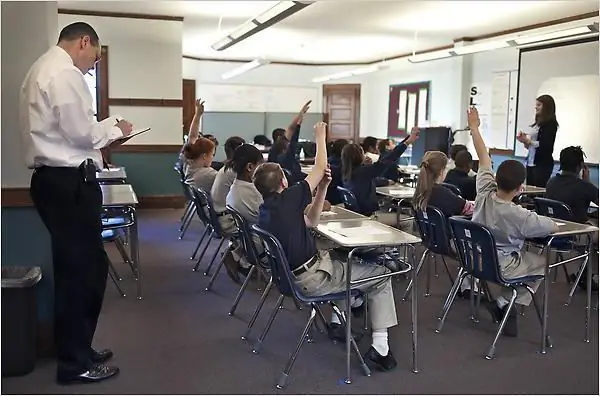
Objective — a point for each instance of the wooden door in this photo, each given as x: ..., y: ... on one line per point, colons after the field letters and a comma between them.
x: 189, y: 103
x: 341, y: 104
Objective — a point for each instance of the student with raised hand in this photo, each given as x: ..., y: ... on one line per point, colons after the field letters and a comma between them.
x: 335, y: 165
x: 369, y: 145
x: 510, y: 224
x: 194, y: 132
x: 316, y: 272
x: 198, y: 158
x: 283, y: 137
x: 573, y: 188
x: 360, y: 178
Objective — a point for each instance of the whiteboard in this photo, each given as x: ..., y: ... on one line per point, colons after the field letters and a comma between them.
x: 257, y: 98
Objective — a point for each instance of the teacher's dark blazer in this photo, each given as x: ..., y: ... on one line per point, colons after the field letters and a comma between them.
x: 546, y: 137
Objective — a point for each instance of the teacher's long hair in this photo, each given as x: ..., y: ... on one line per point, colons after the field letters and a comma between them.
x: 432, y: 166
x: 548, y: 113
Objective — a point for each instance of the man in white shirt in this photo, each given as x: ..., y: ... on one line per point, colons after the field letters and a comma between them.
x: 62, y: 140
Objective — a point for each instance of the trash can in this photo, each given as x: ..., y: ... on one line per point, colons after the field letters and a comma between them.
x: 19, y: 319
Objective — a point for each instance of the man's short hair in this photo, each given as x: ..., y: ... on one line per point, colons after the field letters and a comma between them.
x: 463, y: 160
x: 571, y: 159
x: 277, y: 133
x: 510, y: 175
x: 77, y: 30
x: 267, y: 178
x: 455, y: 149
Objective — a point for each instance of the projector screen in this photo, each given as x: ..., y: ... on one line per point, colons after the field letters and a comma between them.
x: 568, y: 73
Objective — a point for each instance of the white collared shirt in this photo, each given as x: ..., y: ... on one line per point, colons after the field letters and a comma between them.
x: 533, y: 135
x: 57, y: 117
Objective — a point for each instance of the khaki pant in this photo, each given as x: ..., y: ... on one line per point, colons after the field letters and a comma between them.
x: 329, y: 276
x: 527, y: 263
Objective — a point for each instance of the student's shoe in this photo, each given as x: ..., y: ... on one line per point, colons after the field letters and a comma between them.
x: 511, y: 325
x: 97, y: 373
x: 244, y: 271
x: 101, y: 356
x: 358, y: 312
x: 337, y: 332
x: 232, y: 267
x: 374, y: 360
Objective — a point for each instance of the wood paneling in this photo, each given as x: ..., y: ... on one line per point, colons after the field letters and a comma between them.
x: 147, y: 148
x: 495, y: 151
x: 120, y: 15
x: 145, y: 102
x: 341, y: 103
x: 189, y: 103
x: 102, y: 85
x: 16, y: 197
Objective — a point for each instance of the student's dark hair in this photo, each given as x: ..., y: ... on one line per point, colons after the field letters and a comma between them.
x: 267, y: 178
x: 337, y: 147
x: 548, y: 113
x: 455, y: 149
x: 352, y: 157
x: 432, y: 166
x: 231, y: 144
x: 277, y: 133
x: 262, y: 140
x: 244, y: 155
x: 280, y: 146
x: 382, y: 145
x: 77, y: 30
x: 463, y: 160
x: 510, y: 175
x: 572, y: 159
x: 369, y: 143
x: 201, y: 146
x: 213, y: 139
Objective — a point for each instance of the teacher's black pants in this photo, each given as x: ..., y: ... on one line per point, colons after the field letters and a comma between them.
x: 71, y: 211
x: 539, y: 175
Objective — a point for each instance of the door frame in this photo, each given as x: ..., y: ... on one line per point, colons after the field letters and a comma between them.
x: 356, y: 88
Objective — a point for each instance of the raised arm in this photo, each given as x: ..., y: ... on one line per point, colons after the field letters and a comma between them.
x: 391, y: 157
x: 482, y: 152
x: 290, y: 152
x: 316, y: 207
x: 297, y: 121
x: 314, y: 177
x: 195, y: 125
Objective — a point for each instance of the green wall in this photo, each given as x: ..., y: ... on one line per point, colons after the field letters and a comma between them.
x: 150, y: 174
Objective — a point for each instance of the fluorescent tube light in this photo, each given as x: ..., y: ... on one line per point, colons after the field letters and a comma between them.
x: 429, y: 56
x: 246, y: 67
x: 269, y: 17
x: 555, y: 35
x: 350, y: 73
x: 480, y: 47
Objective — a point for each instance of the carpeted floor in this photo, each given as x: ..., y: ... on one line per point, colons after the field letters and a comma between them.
x: 180, y: 340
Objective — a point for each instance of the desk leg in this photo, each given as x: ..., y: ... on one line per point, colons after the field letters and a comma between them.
x: 135, y: 252
x: 348, y: 379
x: 413, y: 299
x: 546, y: 292
x: 588, y: 305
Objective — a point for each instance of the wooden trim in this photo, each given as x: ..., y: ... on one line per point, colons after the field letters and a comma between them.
x: 120, y: 15
x: 497, y: 151
x: 135, y: 102
x: 102, y: 85
x: 147, y: 148
x: 16, y: 197
x: 407, y: 54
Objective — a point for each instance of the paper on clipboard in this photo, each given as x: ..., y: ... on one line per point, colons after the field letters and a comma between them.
x: 327, y: 213
x: 560, y: 224
x: 132, y: 134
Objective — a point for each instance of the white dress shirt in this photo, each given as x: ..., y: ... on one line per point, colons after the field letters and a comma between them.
x: 57, y: 117
x: 533, y: 135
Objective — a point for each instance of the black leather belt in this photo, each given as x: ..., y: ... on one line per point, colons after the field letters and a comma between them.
x: 304, y: 267
x: 221, y: 214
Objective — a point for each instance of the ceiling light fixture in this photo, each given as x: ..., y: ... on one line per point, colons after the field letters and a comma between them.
x: 271, y: 16
x: 559, y: 34
x: 479, y: 47
x: 350, y: 73
x: 246, y: 67
x: 429, y: 56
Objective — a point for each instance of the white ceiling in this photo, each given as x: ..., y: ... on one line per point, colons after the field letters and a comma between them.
x: 337, y: 31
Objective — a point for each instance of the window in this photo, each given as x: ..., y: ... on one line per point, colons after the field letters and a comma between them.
x: 408, y: 107
x: 91, y: 80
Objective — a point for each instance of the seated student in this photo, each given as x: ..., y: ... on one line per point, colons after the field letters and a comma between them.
x: 199, y: 156
x: 392, y: 173
x: 454, y: 150
x: 509, y: 223
x: 216, y: 165
x: 335, y: 164
x: 278, y: 134
x: 245, y: 198
x: 262, y: 142
x: 316, y: 273
x: 459, y: 176
x: 193, y: 134
x: 360, y: 178
x: 574, y: 191
x: 385, y: 145
x: 369, y: 146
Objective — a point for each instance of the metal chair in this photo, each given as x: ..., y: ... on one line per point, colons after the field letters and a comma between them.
x: 113, y: 222
x: 188, y: 213
x: 349, y: 199
x: 476, y: 250
x: 452, y: 188
x: 435, y: 234
x: 284, y: 280
x: 200, y: 209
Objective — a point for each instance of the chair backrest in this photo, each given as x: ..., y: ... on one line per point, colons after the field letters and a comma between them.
x: 349, y: 199
x: 452, y: 188
x: 551, y: 208
x: 245, y: 236
x: 280, y: 269
x: 476, y: 249
x: 434, y: 230
x: 206, y: 211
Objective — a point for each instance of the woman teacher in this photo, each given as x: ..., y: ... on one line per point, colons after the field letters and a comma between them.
x: 540, y: 142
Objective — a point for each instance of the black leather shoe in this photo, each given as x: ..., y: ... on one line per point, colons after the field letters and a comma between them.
x: 97, y: 373
x: 375, y: 360
x: 511, y: 328
x: 101, y: 356
x: 337, y: 332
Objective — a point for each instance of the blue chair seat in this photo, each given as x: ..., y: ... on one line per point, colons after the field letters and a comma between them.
x: 523, y: 279
x: 115, y: 221
x: 109, y: 235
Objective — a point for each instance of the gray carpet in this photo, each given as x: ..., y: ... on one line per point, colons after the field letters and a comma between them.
x: 180, y: 340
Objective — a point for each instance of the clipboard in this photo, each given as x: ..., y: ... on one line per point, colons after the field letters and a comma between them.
x: 132, y: 134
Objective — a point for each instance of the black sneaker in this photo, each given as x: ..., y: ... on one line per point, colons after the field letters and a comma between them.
x: 511, y: 325
x: 583, y: 282
x: 337, y: 332
x: 374, y: 360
